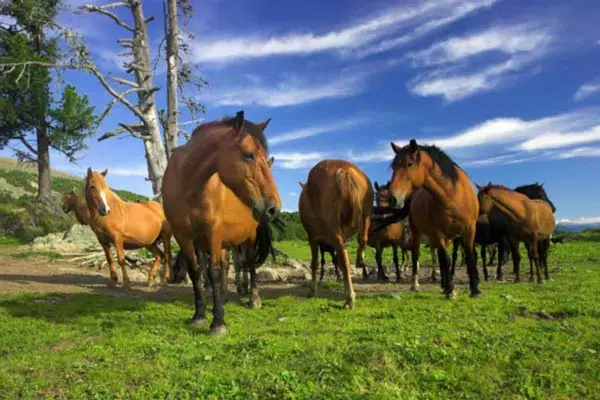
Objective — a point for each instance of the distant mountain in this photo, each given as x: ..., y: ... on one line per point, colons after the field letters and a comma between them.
x: 575, y: 227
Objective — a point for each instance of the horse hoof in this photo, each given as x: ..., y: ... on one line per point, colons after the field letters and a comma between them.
x: 451, y: 295
x: 414, y: 288
x: 198, y: 323
x: 218, y: 331
x: 254, y: 304
x: 349, y: 305
x: 476, y: 294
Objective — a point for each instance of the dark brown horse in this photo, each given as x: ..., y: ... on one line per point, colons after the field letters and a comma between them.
x: 77, y: 204
x: 396, y: 235
x: 443, y: 206
x: 335, y: 203
x: 531, y: 221
x: 223, y: 156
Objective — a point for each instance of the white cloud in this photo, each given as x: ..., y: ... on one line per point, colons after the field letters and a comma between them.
x: 314, y: 131
x: 287, y: 93
x: 293, y: 194
x: 349, y: 38
x: 558, y: 139
x: 129, y: 171
x: 578, y: 152
x: 587, y: 90
x: 293, y: 160
x: 508, y: 40
x: 499, y: 160
x: 582, y: 220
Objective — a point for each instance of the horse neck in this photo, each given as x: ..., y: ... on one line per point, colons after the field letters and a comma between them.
x: 201, y: 162
x: 510, y: 208
x: 437, y: 184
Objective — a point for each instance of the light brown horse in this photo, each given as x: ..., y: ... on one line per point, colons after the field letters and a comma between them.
x: 127, y: 226
x: 443, y: 206
x: 530, y: 221
x: 221, y: 156
x: 336, y: 203
x: 396, y: 235
x: 77, y: 204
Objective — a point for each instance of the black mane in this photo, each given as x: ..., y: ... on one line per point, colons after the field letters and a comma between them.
x: 437, y: 155
x: 535, y: 191
x: 249, y: 127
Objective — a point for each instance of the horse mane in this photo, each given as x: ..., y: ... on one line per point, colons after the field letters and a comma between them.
x: 229, y: 122
x: 437, y: 155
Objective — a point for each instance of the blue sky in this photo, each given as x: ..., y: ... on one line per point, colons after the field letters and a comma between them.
x: 510, y: 89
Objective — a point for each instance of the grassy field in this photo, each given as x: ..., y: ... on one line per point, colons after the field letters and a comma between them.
x: 517, y: 341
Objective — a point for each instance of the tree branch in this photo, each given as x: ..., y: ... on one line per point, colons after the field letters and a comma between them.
x: 104, y: 10
x: 131, y: 129
x: 123, y: 81
x: 29, y: 147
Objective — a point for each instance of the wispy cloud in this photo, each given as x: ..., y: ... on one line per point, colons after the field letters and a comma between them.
x: 582, y: 221
x: 315, y: 130
x: 578, y: 152
x: 499, y: 160
x: 289, y: 93
x: 559, y: 139
x: 129, y: 171
x: 354, y: 36
x: 297, y: 160
x: 586, y: 90
x: 503, y: 39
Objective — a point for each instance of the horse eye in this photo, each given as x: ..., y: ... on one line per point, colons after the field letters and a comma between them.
x: 248, y: 156
x: 409, y: 164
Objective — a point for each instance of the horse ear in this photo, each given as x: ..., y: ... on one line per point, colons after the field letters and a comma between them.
x: 302, y: 184
x: 376, y: 186
x: 263, y: 125
x: 480, y: 188
x: 103, y: 173
x: 270, y: 161
x: 89, y: 172
x: 412, y: 145
x: 239, y: 121
x: 395, y: 147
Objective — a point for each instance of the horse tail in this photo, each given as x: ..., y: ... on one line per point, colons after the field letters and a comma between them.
x: 263, y: 245
x: 351, y: 196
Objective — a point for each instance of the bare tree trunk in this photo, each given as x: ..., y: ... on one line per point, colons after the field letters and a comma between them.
x: 43, y: 162
x: 172, y: 35
x: 142, y: 66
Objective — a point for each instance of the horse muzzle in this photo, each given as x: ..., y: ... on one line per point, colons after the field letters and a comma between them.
x: 103, y: 211
x: 265, y: 210
x: 397, y: 201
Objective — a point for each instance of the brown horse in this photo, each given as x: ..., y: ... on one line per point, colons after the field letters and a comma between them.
x: 77, y: 204
x: 126, y: 225
x: 396, y: 235
x: 530, y: 221
x: 229, y: 155
x: 335, y: 203
x: 443, y: 206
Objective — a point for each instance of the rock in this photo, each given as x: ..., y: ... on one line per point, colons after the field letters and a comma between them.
x: 78, y: 239
x: 267, y: 274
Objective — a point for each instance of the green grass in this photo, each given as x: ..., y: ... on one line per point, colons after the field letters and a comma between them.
x: 9, y: 242
x: 393, y: 345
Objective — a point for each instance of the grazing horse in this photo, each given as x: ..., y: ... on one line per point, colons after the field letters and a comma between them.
x: 127, y: 226
x: 535, y: 191
x: 530, y: 220
x: 394, y: 235
x: 219, y: 193
x: 335, y: 203
x: 443, y: 206
x: 77, y: 204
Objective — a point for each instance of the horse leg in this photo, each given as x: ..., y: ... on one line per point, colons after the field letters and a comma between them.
x: 255, y: 301
x: 530, y: 256
x: 122, y: 263
x: 158, y: 257
x: 546, y: 248
x: 336, y: 266
x: 455, y: 244
x: 114, y: 278
x: 501, y: 251
x: 433, y: 269
x: 196, y: 272
x: 535, y: 247
x: 241, y: 287
x: 166, y: 276
x: 314, y: 251
x: 378, y: 258
x: 322, y: 264
x: 414, y: 252
x: 484, y: 261
x: 468, y: 245
x: 516, y: 256
x: 362, y: 237
x: 224, y: 275
x: 217, y: 327
x: 396, y: 265
x: 445, y: 271
x: 345, y: 266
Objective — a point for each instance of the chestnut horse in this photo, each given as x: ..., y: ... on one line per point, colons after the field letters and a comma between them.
x: 126, y: 225
x: 335, y: 203
x: 77, y: 204
x: 216, y: 189
x: 443, y: 206
x: 394, y: 235
x: 530, y: 220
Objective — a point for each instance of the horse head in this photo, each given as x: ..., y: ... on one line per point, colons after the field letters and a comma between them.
x: 408, y: 173
x: 96, y: 190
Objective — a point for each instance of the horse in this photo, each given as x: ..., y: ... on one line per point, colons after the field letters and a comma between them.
x: 126, y: 226
x: 219, y: 193
x: 77, y: 204
x: 531, y: 221
x: 335, y: 203
x: 394, y: 235
x: 442, y: 205
x: 535, y: 191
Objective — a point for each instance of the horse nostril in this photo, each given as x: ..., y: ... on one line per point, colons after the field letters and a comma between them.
x: 271, y: 211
